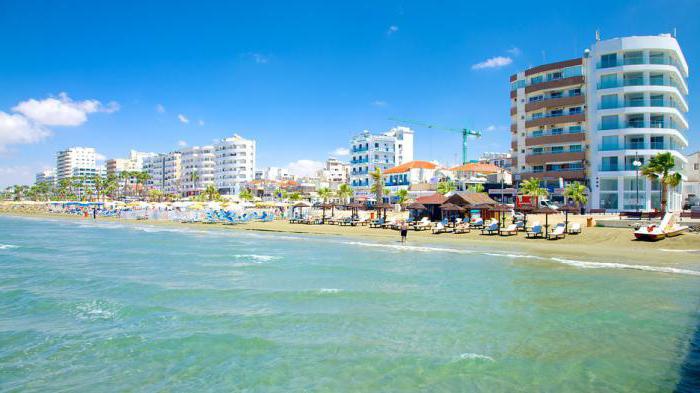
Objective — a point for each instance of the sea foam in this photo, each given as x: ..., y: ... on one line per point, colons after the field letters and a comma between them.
x: 475, y: 356
x: 7, y: 246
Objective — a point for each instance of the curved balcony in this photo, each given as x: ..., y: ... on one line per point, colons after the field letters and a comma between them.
x: 623, y: 131
x: 634, y: 110
x: 559, y: 119
x: 649, y: 68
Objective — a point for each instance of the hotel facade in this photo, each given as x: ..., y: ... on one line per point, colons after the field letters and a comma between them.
x: 370, y: 151
x: 591, y: 119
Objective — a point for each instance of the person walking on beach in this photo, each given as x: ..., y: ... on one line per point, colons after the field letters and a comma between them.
x: 404, y: 231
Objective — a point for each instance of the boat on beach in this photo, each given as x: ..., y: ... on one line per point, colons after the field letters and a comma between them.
x: 655, y: 232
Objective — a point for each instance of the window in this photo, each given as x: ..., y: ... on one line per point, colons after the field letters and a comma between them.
x: 536, y: 80
x: 633, y: 58
x: 696, y: 166
x: 609, y: 60
x: 575, y: 129
x: 557, y: 149
x: 609, y: 122
x: 633, y: 79
x: 656, y: 79
x: 656, y: 100
x: 608, y: 81
x: 575, y: 110
x: 575, y: 148
x: 635, y: 121
x: 609, y: 164
x: 656, y: 58
x: 657, y: 142
x: 556, y: 112
x: 536, y: 98
x: 608, y: 101
x: 634, y: 99
x: 574, y: 92
x: 609, y: 143
x: 572, y: 71
x: 557, y: 131
x: 537, y: 115
x: 537, y: 133
x: 554, y: 76
x: 556, y: 94
x: 657, y: 121
x: 537, y: 168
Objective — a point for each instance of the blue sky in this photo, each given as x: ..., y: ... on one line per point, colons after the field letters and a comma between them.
x: 299, y: 77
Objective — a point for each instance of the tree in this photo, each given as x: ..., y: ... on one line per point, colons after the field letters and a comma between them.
x: 478, y: 187
x: 403, y: 195
x: 155, y: 195
x: 100, y: 183
x: 577, y: 193
x: 377, y: 184
x: 64, y: 188
x: 660, y: 168
x: 295, y: 196
x: 194, y: 177
x: 211, y: 193
x: 141, y: 179
x: 20, y: 192
x: 445, y: 187
x: 78, y: 183
x: 126, y: 176
x: 246, y: 195
x: 280, y: 194
x: 532, y: 187
x: 345, y: 192
x: 324, y: 193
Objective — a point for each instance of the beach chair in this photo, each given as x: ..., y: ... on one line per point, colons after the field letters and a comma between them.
x: 477, y: 222
x: 535, y: 231
x: 491, y: 229
x: 520, y: 226
x: 462, y: 227
x: 557, y: 233
x: 439, y: 228
x: 512, y: 229
x: 575, y: 228
x: 394, y: 223
x: 423, y: 224
x: 376, y: 223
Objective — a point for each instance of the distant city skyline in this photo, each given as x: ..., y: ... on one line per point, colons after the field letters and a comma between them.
x: 300, y: 79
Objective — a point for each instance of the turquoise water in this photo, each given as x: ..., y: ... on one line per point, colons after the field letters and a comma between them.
x: 110, y: 307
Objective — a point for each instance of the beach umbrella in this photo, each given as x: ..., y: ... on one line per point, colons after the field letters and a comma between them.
x: 500, y: 209
x: 450, y: 208
x: 354, y: 207
x: 525, y: 209
x: 546, y: 211
x: 325, y: 206
x: 384, y: 206
x: 566, y: 209
x: 416, y: 206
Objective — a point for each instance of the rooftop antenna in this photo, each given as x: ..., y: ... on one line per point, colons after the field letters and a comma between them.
x: 597, y: 35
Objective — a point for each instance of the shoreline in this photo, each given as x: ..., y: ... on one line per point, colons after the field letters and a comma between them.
x: 597, y: 244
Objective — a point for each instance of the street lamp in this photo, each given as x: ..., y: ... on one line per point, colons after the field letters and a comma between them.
x: 637, y: 164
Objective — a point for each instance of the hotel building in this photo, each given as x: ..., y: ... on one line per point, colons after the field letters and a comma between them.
x: 403, y: 176
x: 134, y: 163
x: 165, y: 172
x: 335, y: 173
x: 47, y: 176
x: 76, y: 161
x: 590, y: 119
x: 234, y: 164
x: 198, y: 169
x: 383, y: 151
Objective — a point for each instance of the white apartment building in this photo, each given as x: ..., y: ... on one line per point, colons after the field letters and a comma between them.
x: 46, y: 176
x: 76, y: 161
x: 501, y: 160
x: 134, y: 163
x: 691, y: 187
x: 335, y: 173
x: 637, y: 101
x: 165, y: 172
x: 273, y: 173
x: 383, y: 151
x: 401, y: 177
x: 198, y: 169
x: 234, y: 163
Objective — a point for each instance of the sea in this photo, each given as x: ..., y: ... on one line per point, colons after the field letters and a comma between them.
x: 111, y: 307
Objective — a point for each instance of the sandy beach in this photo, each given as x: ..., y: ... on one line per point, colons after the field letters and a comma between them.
x: 600, y: 244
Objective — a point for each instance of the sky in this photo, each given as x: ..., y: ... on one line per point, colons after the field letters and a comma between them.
x: 301, y: 78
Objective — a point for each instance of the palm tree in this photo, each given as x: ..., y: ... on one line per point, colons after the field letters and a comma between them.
x: 211, y: 193
x: 345, y: 192
x: 100, y: 183
x: 295, y: 196
x: 377, y: 184
x: 445, y: 187
x: 141, y: 179
x: 246, y: 195
x: 194, y: 177
x: 660, y: 168
x: 478, y: 187
x: 324, y: 193
x: 125, y: 175
x: 155, y: 195
x: 403, y: 195
x: 78, y: 182
x: 20, y: 191
x: 577, y: 193
x: 532, y: 187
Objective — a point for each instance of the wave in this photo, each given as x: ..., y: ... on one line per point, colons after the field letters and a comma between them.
x: 7, y: 246
x: 475, y: 356
x: 255, y: 257
x: 410, y: 248
x: 616, y: 265
x: 329, y: 290
x: 94, y: 311
x: 667, y: 250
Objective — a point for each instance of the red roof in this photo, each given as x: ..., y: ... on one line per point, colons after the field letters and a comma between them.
x: 435, y: 199
x: 477, y: 167
x: 410, y: 165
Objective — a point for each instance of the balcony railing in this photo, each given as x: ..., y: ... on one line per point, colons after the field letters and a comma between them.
x: 637, y: 146
x: 361, y: 149
x: 360, y: 161
x: 537, y: 134
x: 540, y: 153
x: 635, y: 82
x: 640, y: 103
x: 551, y: 115
x: 638, y: 124
x: 639, y: 60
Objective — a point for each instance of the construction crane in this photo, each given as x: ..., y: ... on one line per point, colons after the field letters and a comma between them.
x: 464, y: 131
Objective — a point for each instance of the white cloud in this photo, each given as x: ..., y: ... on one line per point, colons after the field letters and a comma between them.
x: 494, y: 127
x: 392, y: 29
x: 379, y: 103
x: 16, y: 129
x: 100, y: 157
x: 183, y: 118
x: 491, y: 128
x: 305, y: 167
x: 515, y: 51
x: 257, y: 57
x: 11, y: 175
x: 182, y: 143
x: 341, y: 152
x: 494, y: 62
x: 200, y: 122
x: 160, y: 108
x: 62, y: 111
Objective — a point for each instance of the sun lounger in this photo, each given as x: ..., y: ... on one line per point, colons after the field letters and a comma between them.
x: 476, y: 223
x: 362, y: 222
x: 557, y: 233
x: 439, y: 228
x: 575, y: 228
x: 423, y: 224
x: 512, y: 229
x: 376, y: 223
x: 492, y: 229
x: 462, y: 227
x: 393, y: 224
x: 536, y: 231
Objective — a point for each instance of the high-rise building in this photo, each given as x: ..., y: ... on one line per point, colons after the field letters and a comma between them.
x: 76, y: 162
x: 501, y: 160
x: 335, y: 173
x: 591, y: 119
x: 198, y: 169
x: 134, y: 163
x: 164, y: 171
x: 383, y: 151
x: 691, y: 187
x: 46, y: 176
x: 234, y: 163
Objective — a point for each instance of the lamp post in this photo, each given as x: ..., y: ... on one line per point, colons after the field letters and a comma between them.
x: 637, y: 164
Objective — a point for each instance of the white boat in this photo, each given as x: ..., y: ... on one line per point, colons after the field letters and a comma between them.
x: 666, y: 228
